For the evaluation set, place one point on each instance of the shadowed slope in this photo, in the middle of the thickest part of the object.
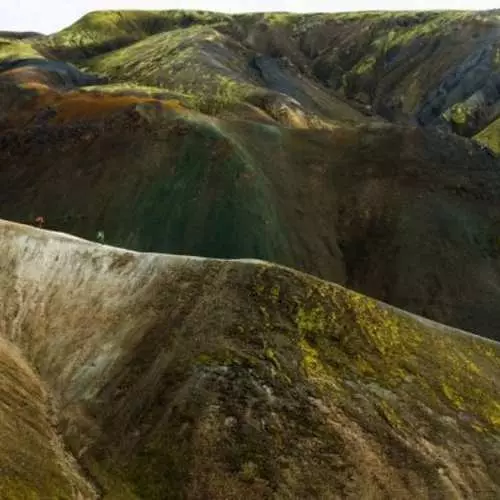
(190, 378)
(33, 460)
(408, 216)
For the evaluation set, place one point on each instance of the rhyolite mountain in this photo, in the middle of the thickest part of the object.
(359, 148)
(255, 179)
(131, 375)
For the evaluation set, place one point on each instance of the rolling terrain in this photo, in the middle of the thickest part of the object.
(214, 135)
(292, 208)
(158, 376)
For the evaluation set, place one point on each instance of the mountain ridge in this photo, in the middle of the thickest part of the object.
(87, 373)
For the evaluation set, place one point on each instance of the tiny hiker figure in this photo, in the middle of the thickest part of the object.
(100, 236)
(40, 221)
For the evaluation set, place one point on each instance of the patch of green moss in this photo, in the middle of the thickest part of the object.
(456, 399)
(18, 49)
(281, 18)
(219, 93)
(365, 65)
(342, 335)
(492, 412)
(314, 320)
(458, 114)
(314, 367)
(390, 414)
(383, 328)
(435, 23)
(271, 356)
(490, 136)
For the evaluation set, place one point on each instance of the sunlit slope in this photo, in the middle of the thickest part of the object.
(433, 68)
(181, 377)
(33, 458)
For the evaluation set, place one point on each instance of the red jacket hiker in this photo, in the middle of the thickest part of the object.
(40, 221)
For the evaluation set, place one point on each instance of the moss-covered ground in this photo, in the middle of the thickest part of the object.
(224, 378)
(490, 136)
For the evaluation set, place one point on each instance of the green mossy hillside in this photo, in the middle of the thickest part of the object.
(101, 31)
(209, 378)
(217, 201)
(17, 49)
(299, 339)
(197, 60)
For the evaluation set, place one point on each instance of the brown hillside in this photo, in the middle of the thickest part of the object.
(405, 215)
(179, 377)
(263, 136)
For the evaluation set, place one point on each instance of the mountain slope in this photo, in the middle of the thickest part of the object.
(181, 377)
(416, 226)
(434, 68)
(269, 136)
(33, 458)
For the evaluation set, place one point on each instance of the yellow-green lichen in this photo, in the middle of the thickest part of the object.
(457, 114)
(365, 65)
(454, 397)
(315, 369)
(271, 356)
(390, 414)
(490, 136)
(382, 327)
(493, 413)
(313, 320)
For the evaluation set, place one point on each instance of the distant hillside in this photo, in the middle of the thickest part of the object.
(178, 377)
(432, 68)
